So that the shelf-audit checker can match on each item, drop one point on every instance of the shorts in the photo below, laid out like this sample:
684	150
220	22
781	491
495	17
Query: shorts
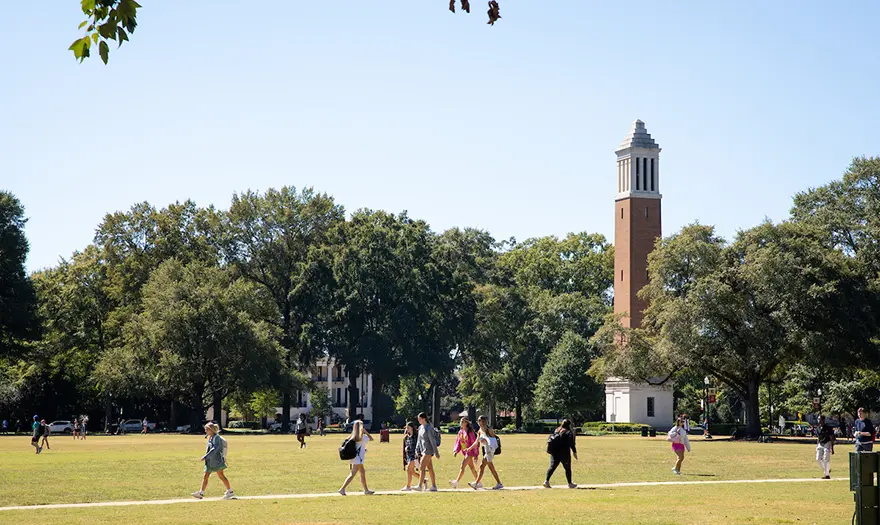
218	468
823	452
866	446
414	462
489	454
677	447
359	459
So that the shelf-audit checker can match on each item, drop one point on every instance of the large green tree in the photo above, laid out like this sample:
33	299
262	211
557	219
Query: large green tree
18	303
277	240
400	309
564	387
200	329
740	311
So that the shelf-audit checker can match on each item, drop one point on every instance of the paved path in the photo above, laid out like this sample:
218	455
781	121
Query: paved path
378	493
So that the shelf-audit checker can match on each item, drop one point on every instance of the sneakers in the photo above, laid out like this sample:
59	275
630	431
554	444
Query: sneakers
676	472
498	487
417	489
826	477
572	486
197	495
369	492
229	494
546	485
341	492
454	483
406	489
475	486
432	489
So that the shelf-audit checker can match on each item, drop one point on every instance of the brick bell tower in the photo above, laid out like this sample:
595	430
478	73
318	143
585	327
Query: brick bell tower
636	219
637	226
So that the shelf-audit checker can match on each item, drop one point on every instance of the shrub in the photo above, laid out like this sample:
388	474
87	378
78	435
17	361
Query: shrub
252	425
603	426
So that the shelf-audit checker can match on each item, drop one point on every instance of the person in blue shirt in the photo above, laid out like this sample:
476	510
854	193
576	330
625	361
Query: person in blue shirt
863	431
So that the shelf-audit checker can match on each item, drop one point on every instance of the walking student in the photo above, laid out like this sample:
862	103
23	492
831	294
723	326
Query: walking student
428	450
410	459
487	438
82	427
680	442
37	434
302	430
863	431
75	429
146	426
320	426
46	431
824	446
466	437
560	446
215	461
361	438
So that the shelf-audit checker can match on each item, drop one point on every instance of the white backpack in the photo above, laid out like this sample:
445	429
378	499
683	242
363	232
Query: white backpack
224	447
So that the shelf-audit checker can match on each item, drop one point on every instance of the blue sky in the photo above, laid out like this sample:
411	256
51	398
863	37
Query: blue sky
403	105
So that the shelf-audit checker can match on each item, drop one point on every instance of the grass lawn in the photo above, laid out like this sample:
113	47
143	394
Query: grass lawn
162	467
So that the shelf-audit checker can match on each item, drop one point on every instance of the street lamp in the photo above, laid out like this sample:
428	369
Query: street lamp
706	433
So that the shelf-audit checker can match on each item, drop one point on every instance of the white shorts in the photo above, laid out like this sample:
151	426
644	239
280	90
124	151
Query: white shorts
823	452
359	459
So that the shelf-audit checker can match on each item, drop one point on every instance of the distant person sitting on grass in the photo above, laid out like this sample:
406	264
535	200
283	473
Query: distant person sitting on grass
680	443
863	431
215	461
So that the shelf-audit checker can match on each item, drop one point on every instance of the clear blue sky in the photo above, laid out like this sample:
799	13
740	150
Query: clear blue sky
403	105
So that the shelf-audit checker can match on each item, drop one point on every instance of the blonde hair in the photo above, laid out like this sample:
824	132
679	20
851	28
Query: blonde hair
357	431
214	427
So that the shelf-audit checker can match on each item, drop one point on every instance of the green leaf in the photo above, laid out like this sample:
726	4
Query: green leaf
88	6
108	30
95	37
76	47
123	36
104	50
84	22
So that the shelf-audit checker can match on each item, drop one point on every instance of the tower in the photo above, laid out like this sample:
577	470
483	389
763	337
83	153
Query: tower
636	220
636	228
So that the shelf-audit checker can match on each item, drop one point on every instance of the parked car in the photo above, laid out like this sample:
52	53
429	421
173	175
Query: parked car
136	425
57	427
276	426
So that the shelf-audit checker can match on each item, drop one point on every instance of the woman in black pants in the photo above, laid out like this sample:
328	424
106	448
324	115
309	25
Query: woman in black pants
560	446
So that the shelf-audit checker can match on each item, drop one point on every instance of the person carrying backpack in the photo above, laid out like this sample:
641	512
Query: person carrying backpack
560	446
428	449
491	446
360	437
215	461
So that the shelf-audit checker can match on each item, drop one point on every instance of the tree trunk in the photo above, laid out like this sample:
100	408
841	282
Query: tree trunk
218	407
108	413
195	415
472	414
753	407
518	414
435	405
376	424
352	394
172	418
493	420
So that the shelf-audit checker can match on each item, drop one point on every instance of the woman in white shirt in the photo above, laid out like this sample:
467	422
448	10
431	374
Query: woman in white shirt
487	438
361	438
680	442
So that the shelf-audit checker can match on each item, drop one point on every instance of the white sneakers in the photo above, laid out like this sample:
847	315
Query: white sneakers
475	486
498	487
454	483
369	492
229	494
406	489
547	485
197	495
676	471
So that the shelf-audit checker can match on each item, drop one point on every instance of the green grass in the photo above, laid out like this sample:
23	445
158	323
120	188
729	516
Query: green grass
160	467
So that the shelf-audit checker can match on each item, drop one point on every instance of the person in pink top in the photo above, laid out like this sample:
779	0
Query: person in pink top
466	437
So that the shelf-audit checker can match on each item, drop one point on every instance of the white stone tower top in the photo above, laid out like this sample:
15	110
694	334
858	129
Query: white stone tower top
638	165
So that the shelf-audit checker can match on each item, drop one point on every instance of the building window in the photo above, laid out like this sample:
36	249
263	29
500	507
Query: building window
638	177
650	407
653	184
645	171
621	275
621	213
646	212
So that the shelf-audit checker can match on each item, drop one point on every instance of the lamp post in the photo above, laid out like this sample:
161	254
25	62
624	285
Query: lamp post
706	433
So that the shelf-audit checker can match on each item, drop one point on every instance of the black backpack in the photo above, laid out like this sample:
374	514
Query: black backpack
555	442
498	448
348	450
